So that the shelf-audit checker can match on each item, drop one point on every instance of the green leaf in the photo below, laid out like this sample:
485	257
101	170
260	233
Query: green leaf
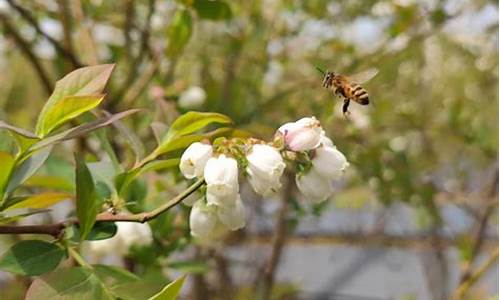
24	138
5	169
42	200
177	143
16	214
190	266
81	82
102	231
132	139
103	173
213	10
31	257
18	131
26	169
194	121
179	32
81	130
50	182
86	206
123	180
184	141
68	283
171	291
66	109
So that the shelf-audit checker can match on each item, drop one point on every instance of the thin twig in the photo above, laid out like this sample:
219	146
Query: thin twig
65	15
56	228
26	15
28	52
85	34
130	88
465	286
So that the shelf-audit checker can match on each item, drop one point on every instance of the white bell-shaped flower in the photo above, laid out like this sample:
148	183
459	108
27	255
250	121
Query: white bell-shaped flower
101	248
302	135
265	167
221	176
314	186
232	216
202	220
194	159
133	233
329	162
193	97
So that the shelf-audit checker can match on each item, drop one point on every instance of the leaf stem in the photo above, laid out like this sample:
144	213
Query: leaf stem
78	258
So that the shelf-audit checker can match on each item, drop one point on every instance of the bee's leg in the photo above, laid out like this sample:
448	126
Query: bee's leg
345	107
338	91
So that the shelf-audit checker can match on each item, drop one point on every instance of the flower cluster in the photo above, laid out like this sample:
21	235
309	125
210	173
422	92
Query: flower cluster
323	162
302	143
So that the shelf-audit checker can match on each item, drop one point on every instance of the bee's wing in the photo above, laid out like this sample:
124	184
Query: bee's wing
364	76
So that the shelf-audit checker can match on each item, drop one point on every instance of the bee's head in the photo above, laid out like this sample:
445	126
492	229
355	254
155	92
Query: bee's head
328	79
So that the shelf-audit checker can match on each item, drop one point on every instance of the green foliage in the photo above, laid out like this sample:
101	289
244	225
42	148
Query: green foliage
86	199
31	257
213	10
179	32
99	282
42	200
86	82
170	291
26	169
66	109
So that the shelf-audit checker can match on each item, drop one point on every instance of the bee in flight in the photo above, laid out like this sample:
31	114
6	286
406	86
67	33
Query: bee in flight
349	88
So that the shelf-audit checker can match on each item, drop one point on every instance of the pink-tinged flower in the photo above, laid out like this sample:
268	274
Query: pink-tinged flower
265	167
194	159
302	135
314	186
221	176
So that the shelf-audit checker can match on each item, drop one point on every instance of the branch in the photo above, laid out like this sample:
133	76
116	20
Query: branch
278	239
28	52
360	238
464	287
65	15
131	87
57	228
26	15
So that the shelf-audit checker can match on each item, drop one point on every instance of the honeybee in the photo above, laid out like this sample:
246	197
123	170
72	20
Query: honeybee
349	88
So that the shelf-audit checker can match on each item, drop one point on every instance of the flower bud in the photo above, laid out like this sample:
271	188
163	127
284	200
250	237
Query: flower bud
329	162
193	97
232	216
194	159
221	176
315	187
133	233
202	220
265	167
302	135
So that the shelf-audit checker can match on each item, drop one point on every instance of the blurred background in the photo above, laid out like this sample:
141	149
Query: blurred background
416	215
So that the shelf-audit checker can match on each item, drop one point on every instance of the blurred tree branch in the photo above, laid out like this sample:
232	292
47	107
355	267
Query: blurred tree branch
279	238
465	286
26	15
28	52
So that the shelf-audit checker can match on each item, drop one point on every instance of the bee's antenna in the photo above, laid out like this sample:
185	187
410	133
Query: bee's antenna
320	70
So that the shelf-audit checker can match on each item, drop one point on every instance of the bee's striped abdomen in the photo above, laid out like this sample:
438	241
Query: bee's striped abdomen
360	95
